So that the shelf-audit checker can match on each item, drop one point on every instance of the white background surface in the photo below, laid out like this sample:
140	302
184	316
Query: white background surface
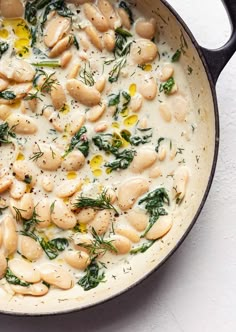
195	291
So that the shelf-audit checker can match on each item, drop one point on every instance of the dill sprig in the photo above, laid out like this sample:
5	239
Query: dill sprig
102	202
143	248
36	155
49	81
87	76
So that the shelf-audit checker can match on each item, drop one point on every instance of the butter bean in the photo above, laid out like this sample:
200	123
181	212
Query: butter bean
5	183
124	18
165	112
56	276
5	111
167	72
82	239
74	71
58	96
51	158
121	243
146	29
162	154
181	177
24	270
61	46
129	233
11	8
3	84
62	216
101	222
85	216
29	248
22	124
16	70
3	265
95	17
108	11
109	40
55	29
160	228
75	122
130	190
136	103
155	172
100	84
43	213
24	169
77	259
87	95
73	161
148	87
144	159
180	107
96	112
10	237
94	37
38	289
101	127
25	205
65	59
143	51
47	184
68	188
138	220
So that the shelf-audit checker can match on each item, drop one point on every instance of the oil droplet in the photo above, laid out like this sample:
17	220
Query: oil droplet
66	200
60	260
28	189
20	156
4	33
96	162
97	172
16	104
147	67
65	109
116	125
82	228
108	170
64	137
132	89
71	175
131	120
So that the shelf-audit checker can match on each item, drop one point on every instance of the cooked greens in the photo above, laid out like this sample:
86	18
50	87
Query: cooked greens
80	142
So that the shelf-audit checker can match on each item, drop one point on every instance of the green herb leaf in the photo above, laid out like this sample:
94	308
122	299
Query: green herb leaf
102	202
161	139
6	133
176	56
154	205
80	142
8	95
50	64
136	140
122	161
60	243
93	277
167	86
143	248
3	48
12	279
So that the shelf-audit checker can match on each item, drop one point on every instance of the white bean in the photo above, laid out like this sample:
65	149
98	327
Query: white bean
101	127
55	29
5	111
68	188
109	40
124	18
56	276
138	220
160	228
22	124
101	222
82	240
86	95
62	216
130	190
17	70
25	205
162	153
155	172
144	159
50	159
165	112
180	107
100	84
181	177
108	11
24	270
42	210
146	29
167	72
121	243
5	183
148	87
86	215
61	46
10	238
95	113
47	183
29	248
23	170
136	103
77	259
74	71
73	161
94	37
143	51
96	18
38	289
11	8
131	234
18	188
65	59
3	265
58	96
75	123
3	84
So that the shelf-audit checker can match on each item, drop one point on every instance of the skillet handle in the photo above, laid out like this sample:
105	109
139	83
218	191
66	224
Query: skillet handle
217	59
